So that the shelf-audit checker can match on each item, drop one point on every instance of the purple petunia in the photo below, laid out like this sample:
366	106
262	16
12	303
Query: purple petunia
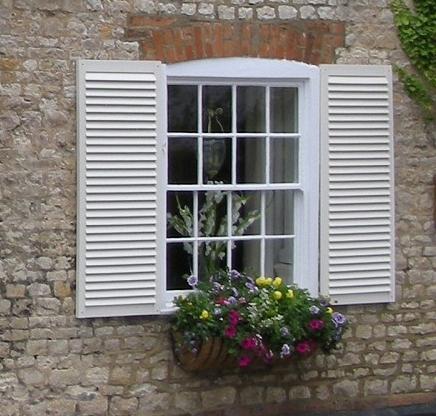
232	300
234	275
284	331
339	319
286	351
192	281
314	310
251	287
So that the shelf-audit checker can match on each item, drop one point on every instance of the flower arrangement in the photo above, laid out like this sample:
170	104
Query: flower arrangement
259	319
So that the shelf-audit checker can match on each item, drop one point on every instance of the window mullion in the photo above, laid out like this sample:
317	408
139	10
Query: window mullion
262	231
195	235
200	137
267	138
229	229
234	139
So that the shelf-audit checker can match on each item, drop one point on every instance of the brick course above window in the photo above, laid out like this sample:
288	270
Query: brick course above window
177	39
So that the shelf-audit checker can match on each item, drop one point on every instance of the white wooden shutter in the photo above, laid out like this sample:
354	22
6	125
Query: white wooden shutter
121	116
357	191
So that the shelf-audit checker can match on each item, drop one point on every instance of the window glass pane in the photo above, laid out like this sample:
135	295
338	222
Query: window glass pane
217	160
217	109
279	258
180	214
182	108
245	213
212	213
283	160
250	165
250	109
279	212
179	151
212	257
179	265
284	109
246	256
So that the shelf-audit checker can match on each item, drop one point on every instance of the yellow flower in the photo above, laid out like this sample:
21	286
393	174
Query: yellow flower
329	310
260	281
277	282
290	294
204	314
277	295
268	281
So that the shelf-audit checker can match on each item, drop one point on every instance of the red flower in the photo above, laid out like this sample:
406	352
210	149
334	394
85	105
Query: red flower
244	361
316	325
303	348
234	317
230	332
249	343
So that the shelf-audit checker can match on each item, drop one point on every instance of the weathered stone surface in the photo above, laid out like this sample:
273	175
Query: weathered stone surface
346	388
52	363
97	406
221	396
119	406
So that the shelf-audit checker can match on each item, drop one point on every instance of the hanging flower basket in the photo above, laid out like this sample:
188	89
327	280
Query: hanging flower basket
212	354
232	320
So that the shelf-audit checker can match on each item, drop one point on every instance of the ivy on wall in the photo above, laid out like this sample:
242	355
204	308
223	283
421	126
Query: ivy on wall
417	32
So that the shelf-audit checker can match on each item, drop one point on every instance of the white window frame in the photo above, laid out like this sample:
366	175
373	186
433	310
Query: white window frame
252	71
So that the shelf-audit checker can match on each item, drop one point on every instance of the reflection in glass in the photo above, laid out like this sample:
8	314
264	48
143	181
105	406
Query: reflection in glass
179	265
217	113
246	256
180	214
182	108
250	164
245	213
212	257
279	259
250	109
284	160
180	151
284	109
279	212
212	213
217	160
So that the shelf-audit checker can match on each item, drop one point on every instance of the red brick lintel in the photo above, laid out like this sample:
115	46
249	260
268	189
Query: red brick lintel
176	39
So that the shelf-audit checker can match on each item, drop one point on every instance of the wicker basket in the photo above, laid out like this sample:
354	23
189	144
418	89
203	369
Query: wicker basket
212	355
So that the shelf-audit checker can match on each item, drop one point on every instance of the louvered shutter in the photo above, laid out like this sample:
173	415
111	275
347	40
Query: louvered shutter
121	115
357	192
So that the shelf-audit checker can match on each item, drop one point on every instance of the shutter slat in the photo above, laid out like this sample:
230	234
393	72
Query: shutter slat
120	278
119	104
357	184
103	102
124	93
99	286
120	76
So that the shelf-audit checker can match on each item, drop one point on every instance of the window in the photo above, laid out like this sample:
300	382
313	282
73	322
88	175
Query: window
238	188
244	141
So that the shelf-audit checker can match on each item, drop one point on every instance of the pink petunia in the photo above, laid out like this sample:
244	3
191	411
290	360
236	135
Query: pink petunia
244	361
234	317
316	325
249	343
303	348
230	332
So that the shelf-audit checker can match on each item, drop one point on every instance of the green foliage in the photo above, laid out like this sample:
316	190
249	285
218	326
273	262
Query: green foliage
417	33
262	319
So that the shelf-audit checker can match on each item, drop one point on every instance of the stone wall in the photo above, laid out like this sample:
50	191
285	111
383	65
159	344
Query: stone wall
52	363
